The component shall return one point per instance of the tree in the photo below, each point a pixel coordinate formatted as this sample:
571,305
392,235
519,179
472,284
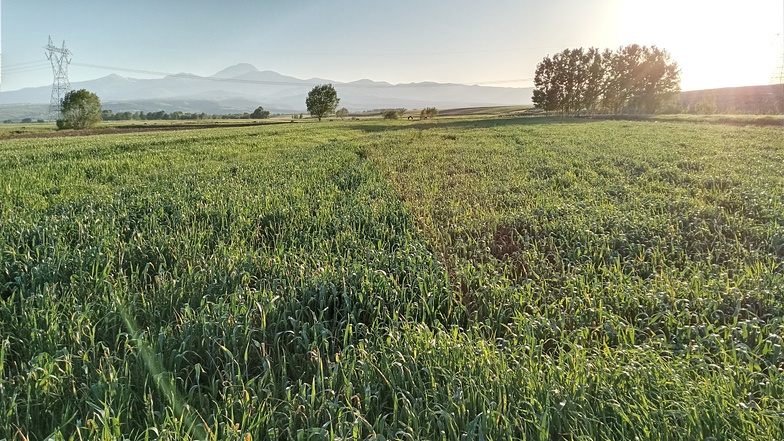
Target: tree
390,114
640,79
393,113
342,113
706,106
428,112
81,109
593,79
322,100
260,113
634,78
547,89
569,82
657,78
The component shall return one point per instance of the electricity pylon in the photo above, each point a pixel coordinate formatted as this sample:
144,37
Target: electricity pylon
60,58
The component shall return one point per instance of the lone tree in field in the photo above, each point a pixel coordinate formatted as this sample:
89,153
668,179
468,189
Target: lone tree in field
260,113
322,101
342,113
81,110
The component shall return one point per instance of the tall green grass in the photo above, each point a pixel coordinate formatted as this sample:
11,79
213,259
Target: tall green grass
644,261
198,284
489,279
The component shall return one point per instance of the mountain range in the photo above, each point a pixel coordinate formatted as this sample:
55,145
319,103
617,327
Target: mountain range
242,88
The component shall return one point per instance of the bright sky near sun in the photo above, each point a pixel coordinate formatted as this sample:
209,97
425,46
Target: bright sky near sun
498,42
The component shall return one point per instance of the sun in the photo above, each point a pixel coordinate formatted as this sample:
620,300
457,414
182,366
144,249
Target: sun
716,43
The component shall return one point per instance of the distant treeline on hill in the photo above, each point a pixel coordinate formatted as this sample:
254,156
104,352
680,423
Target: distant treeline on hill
108,115
733,100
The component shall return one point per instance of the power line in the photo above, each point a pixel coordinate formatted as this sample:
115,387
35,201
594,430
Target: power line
123,69
26,63
40,66
31,68
387,53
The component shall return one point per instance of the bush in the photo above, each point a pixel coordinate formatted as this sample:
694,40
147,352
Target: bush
81,110
260,113
393,113
428,112
390,114
707,105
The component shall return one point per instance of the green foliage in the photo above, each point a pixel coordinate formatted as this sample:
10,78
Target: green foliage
641,77
81,109
342,113
640,265
260,113
322,100
161,115
706,106
634,79
570,81
579,280
392,113
428,112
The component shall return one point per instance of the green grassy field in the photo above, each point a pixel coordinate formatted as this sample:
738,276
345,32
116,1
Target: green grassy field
20,130
526,278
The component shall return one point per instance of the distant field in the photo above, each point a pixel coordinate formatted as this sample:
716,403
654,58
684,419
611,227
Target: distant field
17,129
17,112
112,127
465,278
484,111
731,119
768,99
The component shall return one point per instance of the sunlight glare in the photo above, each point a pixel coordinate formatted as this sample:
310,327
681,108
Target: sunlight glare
716,43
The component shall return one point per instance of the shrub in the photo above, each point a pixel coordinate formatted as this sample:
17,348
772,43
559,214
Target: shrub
393,113
81,109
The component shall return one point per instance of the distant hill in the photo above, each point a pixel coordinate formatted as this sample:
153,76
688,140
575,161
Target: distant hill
752,99
242,88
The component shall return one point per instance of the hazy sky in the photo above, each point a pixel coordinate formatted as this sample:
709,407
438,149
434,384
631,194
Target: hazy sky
495,42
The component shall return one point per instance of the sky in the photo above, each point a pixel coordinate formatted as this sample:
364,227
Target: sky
495,43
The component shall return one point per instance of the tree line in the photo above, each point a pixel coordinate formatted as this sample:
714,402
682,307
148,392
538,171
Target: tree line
632,79
82,109
108,115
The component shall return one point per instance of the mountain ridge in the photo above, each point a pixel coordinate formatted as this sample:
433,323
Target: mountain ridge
278,93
